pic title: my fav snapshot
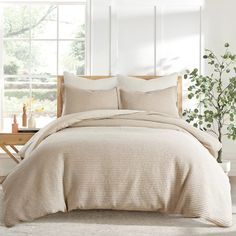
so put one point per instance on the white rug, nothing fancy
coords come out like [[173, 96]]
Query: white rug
[[115, 223]]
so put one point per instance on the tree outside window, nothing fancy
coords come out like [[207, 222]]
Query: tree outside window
[[40, 41]]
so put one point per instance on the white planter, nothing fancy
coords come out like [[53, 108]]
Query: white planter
[[226, 166]]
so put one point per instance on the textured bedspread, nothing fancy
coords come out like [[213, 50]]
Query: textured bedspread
[[124, 160]]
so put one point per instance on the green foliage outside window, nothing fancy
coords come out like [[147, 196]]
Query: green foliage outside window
[[19, 21]]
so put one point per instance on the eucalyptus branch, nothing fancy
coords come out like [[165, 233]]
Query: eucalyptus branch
[[225, 88], [212, 53], [217, 106], [213, 97]]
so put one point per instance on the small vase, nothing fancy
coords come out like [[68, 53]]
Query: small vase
[[31, 122], [24, 117], [14, 125]]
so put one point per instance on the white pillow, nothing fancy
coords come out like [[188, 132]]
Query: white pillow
[[89, 84], [142, 85]]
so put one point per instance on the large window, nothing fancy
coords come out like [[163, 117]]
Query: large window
[[38, 41]]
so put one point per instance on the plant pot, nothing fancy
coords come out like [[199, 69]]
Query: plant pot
[[226, 166]]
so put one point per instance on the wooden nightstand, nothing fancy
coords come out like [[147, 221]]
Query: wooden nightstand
[[11, 140]]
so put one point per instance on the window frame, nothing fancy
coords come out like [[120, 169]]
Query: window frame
[[30, 39]]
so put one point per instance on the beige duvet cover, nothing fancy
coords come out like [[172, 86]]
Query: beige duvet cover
[[122, 160]]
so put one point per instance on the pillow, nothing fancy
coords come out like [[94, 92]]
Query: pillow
[[162, 101], [89, 84], [142, 85], [78, 100]]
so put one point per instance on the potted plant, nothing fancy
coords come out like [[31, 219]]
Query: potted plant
[[216, 97]]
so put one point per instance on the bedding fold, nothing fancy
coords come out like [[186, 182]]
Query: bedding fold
[[128, 117]]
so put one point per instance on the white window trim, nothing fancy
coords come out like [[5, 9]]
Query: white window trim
[[62, 2], [88, 21], [1, 69]]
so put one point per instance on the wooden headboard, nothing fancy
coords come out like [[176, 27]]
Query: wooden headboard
[[60, 81]]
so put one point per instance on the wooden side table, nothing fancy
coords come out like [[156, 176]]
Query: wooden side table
[[12, 140]]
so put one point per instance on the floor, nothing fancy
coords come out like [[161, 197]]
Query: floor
[[118, 223]]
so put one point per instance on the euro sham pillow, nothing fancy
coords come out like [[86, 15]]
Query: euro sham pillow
[[161, 101], [79, 100], [142, 85], [89, 84]]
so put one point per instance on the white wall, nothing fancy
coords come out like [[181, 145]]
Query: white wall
[[142, 37], [160, 36], [219, 24]]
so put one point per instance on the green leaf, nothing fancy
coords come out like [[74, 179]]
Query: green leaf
[[190, 96], [211, 55], [217, 99]]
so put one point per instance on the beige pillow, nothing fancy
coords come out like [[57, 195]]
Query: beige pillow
[[78, 100], [162, 101]]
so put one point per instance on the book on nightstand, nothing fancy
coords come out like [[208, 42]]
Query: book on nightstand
[[28, 130]]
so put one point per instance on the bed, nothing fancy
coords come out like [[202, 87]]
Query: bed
[[119, 159]]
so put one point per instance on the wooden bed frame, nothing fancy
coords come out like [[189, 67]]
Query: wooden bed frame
[[60, 81]]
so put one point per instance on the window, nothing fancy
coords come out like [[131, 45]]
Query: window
[[38, 41]]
